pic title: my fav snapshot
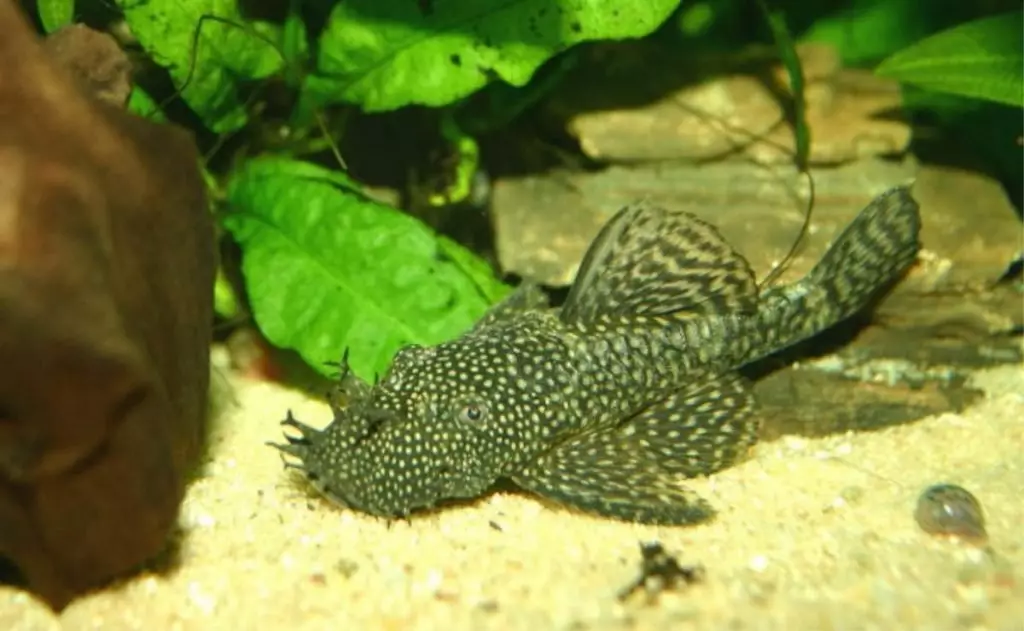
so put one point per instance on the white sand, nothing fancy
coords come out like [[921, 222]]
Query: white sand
[[786, 552]]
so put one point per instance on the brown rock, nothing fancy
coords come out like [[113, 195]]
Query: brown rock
[[638, 101], [545, 223], [107, 260], [95, 61]]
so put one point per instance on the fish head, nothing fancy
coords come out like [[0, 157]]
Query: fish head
[[444, 422]]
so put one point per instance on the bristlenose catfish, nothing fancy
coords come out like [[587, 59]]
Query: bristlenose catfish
[[607, 402]]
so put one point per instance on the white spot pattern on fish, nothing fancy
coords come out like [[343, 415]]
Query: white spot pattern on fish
[[607, 402]]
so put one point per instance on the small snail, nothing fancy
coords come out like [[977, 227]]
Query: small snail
[[950, 510]]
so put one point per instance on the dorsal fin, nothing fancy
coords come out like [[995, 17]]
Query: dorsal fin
[[648, 260], [528, 296]]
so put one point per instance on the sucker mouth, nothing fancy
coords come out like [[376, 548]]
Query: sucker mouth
[[330, 493], [298, 453], [354, 423], [297, 446], [294, 454]]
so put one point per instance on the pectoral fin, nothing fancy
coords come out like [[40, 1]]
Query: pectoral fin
[[582, 477], [632, 471]]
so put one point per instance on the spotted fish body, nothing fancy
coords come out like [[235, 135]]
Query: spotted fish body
[[605, 403]]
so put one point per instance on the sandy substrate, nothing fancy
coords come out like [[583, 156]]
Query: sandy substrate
[[812, 534]]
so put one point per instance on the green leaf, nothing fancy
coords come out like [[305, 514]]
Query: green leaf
[[499, 103], [294, 45], [225, 303], [696, 18], [386, 54], [865, 31], [468, 151], [142, 104], [55, 14], [475, 268], [791, 62], [206, 47], [982, 59], [327, 268]]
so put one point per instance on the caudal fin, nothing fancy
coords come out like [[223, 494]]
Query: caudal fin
[[875, 249], [872, 252]]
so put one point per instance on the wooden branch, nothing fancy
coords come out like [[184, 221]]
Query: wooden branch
[[107, 259]]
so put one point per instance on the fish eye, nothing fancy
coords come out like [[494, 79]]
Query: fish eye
[[472, 412]]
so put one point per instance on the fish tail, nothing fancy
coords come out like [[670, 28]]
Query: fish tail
[[869, 255], [874, 250]]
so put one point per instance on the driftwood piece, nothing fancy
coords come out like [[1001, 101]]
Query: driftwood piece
[[95, 61], [107, 261]]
